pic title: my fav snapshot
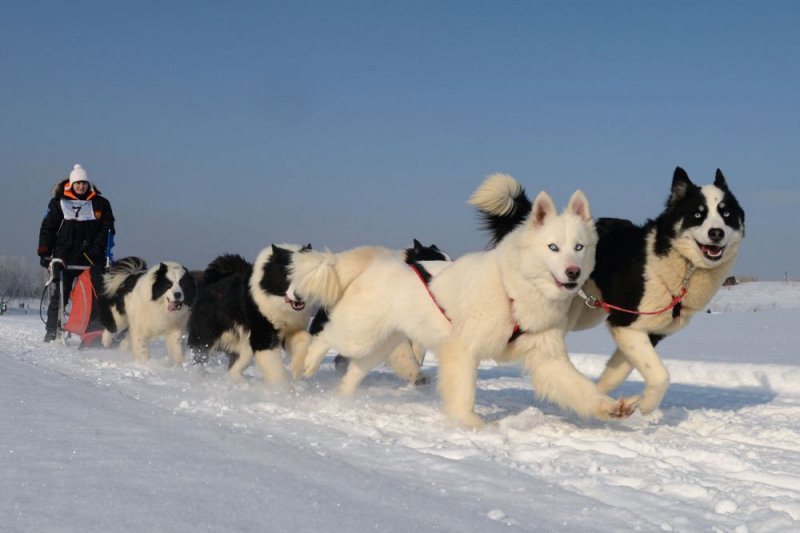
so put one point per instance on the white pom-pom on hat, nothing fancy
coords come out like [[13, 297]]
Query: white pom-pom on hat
[[78, 174]]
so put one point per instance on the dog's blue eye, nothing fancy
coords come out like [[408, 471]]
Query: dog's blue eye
[[553, 247], [578, 247], [698, 214], [726, 214]]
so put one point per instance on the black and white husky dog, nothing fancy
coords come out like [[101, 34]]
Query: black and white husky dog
[[149, 303], [406, 360], [649, 280], [250, 310]]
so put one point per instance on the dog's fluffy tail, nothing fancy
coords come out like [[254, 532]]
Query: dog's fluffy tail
[[502, 205], [314, 278], [223, 266], [120, 272]]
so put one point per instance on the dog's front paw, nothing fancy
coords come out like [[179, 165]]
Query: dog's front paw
[[311, 367], [649, 402], [624, 407], [297, 367], [621, 408]]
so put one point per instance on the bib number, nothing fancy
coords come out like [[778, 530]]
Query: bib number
[[80, 210]]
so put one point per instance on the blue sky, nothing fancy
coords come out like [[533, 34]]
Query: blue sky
[[222, 127]]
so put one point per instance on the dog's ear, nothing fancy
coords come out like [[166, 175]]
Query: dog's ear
[[306, 248], [417, 245], [720, 182], [680, 186], [543, 207], [160, 282], [579, 205]]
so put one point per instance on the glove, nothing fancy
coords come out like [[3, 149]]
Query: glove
[[56, 269], [44, 260]]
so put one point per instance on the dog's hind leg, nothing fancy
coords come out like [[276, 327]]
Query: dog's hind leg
[[618, 368], [271, 365], [405, 363], [359, 367], [637, 347], [245, 356]]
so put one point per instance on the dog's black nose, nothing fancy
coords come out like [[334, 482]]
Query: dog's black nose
[[178, 295], [573, 273], [716, 234]]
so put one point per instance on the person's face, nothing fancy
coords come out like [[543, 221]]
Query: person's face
[[80, 187]]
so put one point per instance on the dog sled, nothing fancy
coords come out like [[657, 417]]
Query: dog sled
[[82, 318]]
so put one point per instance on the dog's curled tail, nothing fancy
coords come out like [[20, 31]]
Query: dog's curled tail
[[120, 272], [502, 205], [313, 277]]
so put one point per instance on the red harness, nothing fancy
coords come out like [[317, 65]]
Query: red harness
[[594, 303], [514, 334]]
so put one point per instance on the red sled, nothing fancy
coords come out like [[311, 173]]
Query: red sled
[[82, 321]]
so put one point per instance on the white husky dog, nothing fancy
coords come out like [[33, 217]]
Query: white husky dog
[[327, 277], [507, 303]]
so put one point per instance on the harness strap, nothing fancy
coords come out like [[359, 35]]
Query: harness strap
[[427, 288], [514, 334], [595, 303]]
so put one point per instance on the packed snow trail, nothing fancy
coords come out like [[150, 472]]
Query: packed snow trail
[[93, 441]]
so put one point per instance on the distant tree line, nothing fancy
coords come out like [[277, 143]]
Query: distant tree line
[[19, 278]]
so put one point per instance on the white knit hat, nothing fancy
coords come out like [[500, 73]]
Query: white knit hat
[[78, 174]]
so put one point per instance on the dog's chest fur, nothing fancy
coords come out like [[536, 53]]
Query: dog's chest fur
[[663, 280]]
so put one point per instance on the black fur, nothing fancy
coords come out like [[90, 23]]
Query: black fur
[[621, 250], [319, 321], [275, 276], [499, 226], [161, 284], [423, 273], [189, 288], [420, 252], [134, 268], [224, 302]]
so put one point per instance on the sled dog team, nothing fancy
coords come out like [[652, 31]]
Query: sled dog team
[[545, 273]]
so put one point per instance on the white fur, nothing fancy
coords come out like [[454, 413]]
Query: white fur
[[484, 294], [147, 319], [323, 277]]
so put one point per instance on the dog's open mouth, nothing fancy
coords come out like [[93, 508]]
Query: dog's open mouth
[[297, 305], [712, 252], [174, 305], [570, 285]]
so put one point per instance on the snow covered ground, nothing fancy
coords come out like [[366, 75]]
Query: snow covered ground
[[91, 441]]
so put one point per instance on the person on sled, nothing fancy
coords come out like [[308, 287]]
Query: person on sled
[[75, 232]]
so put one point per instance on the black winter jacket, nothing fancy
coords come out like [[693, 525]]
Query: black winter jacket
[[73, 226]]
